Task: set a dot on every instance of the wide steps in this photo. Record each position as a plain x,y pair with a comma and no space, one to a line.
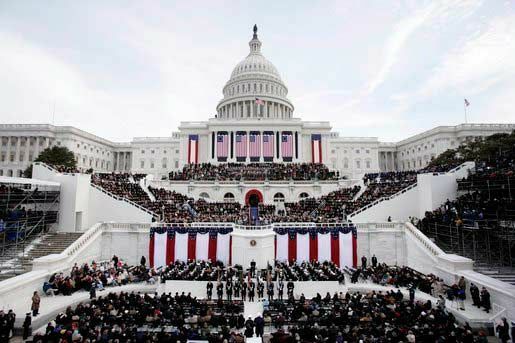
52,243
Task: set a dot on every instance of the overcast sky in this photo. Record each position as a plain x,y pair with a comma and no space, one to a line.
387,69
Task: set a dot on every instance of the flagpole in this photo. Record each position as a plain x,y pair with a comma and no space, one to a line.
465,108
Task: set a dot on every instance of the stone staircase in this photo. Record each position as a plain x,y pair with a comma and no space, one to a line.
505,274
16,262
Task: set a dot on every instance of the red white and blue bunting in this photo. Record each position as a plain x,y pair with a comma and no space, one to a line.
338,245
170,244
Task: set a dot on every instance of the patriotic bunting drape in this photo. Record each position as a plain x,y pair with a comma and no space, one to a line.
268,146
316,148
169,244
193,149
222,146
255,146
338,245
241,146
287,145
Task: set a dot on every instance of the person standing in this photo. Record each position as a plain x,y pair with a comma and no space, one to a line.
474,293
220,290
270,291
36,300
485,299
364,262
253,268
11,319
209,288
412,294
26,326
280,290
462,284
259,322
252,290
244,291
228,290
93,291
143,261
249,326
503,330
374,261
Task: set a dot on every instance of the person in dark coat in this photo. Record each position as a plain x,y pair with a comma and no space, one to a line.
280,290
249,328
220,290
252,290
93,291
260,326
474,293
374,261
253,268
244,291
143,261
26,326
228,290
485,300
270,291
364,262
260,290
503,331
209,288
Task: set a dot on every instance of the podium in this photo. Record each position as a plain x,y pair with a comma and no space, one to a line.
257,245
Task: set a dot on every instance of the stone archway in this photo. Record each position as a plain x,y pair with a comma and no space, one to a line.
253,197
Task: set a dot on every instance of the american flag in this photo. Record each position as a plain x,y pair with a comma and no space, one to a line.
241,144
268,145
287,144
254,145
222,145
259,101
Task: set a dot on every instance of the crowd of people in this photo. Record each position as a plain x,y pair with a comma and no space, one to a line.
174,207
339,317
97,276
254,172
135,317
7,320
370,317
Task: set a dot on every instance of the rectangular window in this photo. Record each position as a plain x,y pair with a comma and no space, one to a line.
142,164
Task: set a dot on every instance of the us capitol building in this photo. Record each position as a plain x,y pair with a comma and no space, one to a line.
255,122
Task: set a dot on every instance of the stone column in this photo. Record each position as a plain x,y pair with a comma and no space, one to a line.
27,150
8,151
17,152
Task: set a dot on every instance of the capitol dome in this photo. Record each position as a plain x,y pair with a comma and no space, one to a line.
255,89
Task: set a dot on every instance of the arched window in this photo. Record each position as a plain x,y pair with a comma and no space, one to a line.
229,197
279,197
303,195
204,195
